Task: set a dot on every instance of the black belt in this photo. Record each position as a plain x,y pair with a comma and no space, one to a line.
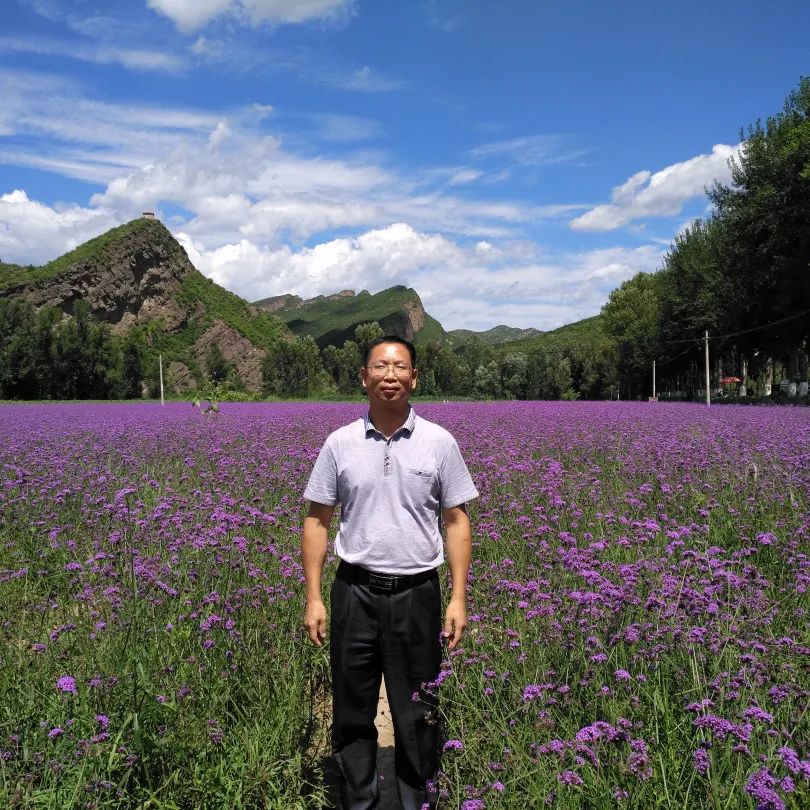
382,583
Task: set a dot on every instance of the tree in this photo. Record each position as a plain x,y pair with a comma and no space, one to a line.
343,365
19,377
766,209
515,375
631,317
365,334
292,368
551,373
487,381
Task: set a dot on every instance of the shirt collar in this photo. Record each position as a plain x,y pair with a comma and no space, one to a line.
409,425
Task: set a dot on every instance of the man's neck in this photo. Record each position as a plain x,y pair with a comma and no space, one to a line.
388,420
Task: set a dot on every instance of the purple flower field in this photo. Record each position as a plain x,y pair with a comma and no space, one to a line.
638,605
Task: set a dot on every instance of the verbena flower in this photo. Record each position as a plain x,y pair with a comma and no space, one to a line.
66,684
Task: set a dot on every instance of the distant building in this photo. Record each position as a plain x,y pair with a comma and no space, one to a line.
148,215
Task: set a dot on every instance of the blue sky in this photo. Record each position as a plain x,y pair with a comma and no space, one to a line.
512,161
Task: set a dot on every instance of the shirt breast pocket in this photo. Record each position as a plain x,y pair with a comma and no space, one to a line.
422,482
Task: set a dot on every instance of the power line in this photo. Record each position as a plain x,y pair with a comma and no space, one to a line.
741,332
686,351
763,326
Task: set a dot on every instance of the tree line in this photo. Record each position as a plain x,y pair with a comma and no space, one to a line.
44,355
742,274
554,370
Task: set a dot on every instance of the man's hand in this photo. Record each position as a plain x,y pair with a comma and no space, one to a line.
455,622
313,553
315,622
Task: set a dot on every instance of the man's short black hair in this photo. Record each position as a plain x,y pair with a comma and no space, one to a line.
391,339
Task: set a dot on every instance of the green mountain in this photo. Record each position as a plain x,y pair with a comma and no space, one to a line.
588,330
138,275
332,319
494,336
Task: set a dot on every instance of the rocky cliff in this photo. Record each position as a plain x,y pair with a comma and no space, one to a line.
332,319
139,275
129,275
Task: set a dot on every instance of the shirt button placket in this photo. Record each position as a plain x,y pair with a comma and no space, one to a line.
387,458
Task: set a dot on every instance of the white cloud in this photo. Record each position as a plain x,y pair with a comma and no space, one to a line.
364,80
663,193
470,286
191,15
33,233
530,150
464,176
88,51
338,128
264,219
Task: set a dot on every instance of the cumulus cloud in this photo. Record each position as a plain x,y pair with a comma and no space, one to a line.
191,15
471,286
464,284
34,233
263,219
663,193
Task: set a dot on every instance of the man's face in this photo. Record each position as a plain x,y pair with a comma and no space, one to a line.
389,375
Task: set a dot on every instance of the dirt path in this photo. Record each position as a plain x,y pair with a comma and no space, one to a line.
385,755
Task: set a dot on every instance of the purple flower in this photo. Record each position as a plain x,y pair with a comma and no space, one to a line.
570,778
66,684
760,786
755,713
532,691
622,675
453,745
55,732
700,759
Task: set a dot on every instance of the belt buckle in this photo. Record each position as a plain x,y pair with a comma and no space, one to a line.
382,582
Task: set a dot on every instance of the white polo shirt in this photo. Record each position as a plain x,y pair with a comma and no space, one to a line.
391,492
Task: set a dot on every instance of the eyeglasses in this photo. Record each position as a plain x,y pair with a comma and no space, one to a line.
400,369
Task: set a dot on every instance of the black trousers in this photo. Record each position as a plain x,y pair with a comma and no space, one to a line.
373,635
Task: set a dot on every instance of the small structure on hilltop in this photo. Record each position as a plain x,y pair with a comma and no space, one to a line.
148,215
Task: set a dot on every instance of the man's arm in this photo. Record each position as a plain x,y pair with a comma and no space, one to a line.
313,553
459,553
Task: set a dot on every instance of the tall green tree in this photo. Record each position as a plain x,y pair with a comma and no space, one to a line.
292,368
343,365
365,334
766,209
631,317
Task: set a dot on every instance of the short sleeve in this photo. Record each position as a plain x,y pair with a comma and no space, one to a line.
322,484
456,483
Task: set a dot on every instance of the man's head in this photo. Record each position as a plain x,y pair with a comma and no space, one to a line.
389,369
391,339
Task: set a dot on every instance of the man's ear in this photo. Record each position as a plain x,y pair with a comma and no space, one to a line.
363,374
414,379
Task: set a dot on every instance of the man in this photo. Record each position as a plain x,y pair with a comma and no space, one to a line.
394,474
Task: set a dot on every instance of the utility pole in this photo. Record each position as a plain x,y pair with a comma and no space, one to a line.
160,360
708,388
653,379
